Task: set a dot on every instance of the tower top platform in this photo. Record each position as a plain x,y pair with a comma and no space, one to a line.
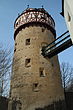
34,16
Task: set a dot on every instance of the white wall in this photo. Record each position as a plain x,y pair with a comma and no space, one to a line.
68,13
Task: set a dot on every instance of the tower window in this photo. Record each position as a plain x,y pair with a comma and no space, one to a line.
43,29
27,62
35,87
69,17
15,49
42,72
28,41
15,43
16,23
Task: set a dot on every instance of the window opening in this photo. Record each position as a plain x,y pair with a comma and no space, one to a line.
36,84
15,49
35,87
43,29
42,72
15,43
27,62
28,41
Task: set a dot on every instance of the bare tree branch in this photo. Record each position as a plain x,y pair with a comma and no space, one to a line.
67,74
5,70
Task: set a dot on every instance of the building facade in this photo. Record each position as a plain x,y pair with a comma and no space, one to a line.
36,81
68,13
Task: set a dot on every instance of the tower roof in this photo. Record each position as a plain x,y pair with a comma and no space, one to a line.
36,16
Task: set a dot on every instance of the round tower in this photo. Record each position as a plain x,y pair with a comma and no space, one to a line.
36,82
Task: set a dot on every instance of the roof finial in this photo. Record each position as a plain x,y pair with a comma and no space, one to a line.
18,14
27,6
42,6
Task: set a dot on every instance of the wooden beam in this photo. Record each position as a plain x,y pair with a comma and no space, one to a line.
59,49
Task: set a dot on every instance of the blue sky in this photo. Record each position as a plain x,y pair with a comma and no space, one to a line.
9,10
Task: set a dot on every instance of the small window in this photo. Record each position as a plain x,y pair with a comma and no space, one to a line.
15,49
42,72
35,87
16,23
27,41
43,29
27,62
69,17
15,43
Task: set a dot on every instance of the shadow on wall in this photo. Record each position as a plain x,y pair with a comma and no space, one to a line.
69,100
60,105
3,103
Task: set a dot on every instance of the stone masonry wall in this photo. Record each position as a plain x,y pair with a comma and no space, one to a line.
36,80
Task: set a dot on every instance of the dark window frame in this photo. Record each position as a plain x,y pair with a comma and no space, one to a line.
27,62
42,72
28,41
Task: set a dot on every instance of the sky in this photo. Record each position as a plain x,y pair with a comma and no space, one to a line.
9,10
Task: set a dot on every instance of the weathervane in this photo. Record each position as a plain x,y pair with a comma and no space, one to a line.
18,14
27,6
42,6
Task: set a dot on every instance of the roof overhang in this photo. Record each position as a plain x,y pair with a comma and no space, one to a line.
62,13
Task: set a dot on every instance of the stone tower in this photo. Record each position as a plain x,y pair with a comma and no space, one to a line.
36,83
